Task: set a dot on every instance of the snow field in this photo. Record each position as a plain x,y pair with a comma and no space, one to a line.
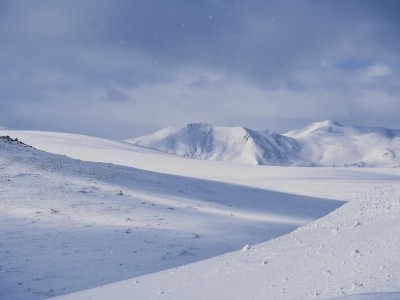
68,225
353,250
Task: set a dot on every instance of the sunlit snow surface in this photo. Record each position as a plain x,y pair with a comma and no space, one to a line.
68,225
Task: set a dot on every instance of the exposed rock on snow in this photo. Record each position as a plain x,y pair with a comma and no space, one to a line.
9,140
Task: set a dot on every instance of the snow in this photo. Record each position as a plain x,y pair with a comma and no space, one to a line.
330,144
372,296
322,144
327,258
235,144
67,225
106,216
330,183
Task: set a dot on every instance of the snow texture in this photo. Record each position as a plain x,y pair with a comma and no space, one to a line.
353,250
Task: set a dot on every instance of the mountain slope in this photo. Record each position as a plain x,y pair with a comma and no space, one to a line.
322,144
330,144
235,144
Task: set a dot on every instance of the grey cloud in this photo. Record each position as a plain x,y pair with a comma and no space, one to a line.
113,95
225,62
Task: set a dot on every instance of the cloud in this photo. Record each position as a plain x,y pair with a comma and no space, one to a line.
375,71
101,67
114,95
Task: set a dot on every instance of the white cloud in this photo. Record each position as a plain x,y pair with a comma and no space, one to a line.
375,71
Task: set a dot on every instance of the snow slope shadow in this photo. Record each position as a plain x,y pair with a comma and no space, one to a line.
227,199
76,225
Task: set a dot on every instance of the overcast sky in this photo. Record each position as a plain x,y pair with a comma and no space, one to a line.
126,68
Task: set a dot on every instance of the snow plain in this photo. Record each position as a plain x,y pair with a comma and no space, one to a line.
75,225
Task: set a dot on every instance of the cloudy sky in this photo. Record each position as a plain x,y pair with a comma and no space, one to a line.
122,68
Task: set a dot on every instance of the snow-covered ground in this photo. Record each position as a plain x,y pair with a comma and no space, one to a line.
353,250
68,225
331,183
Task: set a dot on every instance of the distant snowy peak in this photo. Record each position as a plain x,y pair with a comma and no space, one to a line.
324,127
331,128
330,144
235,144
325,143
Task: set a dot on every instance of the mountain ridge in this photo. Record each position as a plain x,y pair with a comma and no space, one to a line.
325,143
234,143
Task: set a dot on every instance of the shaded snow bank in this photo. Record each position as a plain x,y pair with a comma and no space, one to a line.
353,250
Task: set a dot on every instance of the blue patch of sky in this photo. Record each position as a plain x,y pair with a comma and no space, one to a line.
353,64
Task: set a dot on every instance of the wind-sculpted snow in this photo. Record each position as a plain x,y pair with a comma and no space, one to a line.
320,144
353,250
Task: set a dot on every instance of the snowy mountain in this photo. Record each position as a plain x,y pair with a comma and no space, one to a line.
319,144
235,144
330,144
